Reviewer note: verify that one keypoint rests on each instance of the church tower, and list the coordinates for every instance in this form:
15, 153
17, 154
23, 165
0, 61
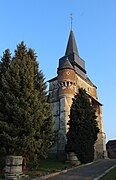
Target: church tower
71, 75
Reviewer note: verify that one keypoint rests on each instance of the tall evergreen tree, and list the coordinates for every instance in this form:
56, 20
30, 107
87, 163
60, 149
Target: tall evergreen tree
26, 126
4, 64
83, 128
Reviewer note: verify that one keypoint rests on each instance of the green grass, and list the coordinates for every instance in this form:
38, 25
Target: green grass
53, 164
48, 166
110, 176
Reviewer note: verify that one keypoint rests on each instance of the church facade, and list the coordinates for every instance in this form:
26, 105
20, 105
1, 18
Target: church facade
71, 75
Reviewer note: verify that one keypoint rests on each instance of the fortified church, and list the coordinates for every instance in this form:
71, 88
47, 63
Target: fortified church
72, 75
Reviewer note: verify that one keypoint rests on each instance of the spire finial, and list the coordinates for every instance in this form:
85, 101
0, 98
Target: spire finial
71, 18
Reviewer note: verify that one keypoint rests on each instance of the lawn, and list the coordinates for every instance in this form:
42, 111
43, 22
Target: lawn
110, 176
48, 166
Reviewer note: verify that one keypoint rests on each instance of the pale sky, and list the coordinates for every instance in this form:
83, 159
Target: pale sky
44, 25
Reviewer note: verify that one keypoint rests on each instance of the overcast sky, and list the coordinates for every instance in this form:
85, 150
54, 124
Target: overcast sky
44, 25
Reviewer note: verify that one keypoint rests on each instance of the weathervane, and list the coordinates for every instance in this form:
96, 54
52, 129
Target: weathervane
71, 18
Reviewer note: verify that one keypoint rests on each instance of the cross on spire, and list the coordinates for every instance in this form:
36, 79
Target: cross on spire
71, 18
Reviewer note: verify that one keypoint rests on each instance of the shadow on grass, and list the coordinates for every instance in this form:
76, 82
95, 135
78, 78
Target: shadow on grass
46, 167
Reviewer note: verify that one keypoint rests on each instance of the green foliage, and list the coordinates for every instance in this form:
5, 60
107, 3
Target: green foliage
83, 128
26, 126
5, 62
49, 165
110, 175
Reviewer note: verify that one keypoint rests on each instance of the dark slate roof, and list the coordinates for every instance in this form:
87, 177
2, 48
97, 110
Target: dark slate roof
111, 143
96, 100
66, 64
71, 46
77, 63
53, 79
90, 81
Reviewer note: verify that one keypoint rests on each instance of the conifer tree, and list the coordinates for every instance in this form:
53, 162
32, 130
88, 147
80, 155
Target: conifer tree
83, 128
4, 64
26, 126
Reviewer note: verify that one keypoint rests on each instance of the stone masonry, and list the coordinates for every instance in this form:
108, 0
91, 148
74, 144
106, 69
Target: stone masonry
71, 75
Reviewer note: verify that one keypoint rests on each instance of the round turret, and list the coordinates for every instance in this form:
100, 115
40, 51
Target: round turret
66, 79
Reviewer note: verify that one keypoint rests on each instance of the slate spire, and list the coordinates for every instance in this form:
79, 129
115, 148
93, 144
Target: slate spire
74, 59
71, 46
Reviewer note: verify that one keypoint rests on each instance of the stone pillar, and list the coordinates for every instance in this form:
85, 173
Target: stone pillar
101, 141
13, 168
72, 158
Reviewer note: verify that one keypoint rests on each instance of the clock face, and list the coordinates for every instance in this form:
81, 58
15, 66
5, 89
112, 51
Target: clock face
68, 73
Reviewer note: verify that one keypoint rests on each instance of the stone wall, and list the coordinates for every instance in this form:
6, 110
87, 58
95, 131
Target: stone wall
61, 92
